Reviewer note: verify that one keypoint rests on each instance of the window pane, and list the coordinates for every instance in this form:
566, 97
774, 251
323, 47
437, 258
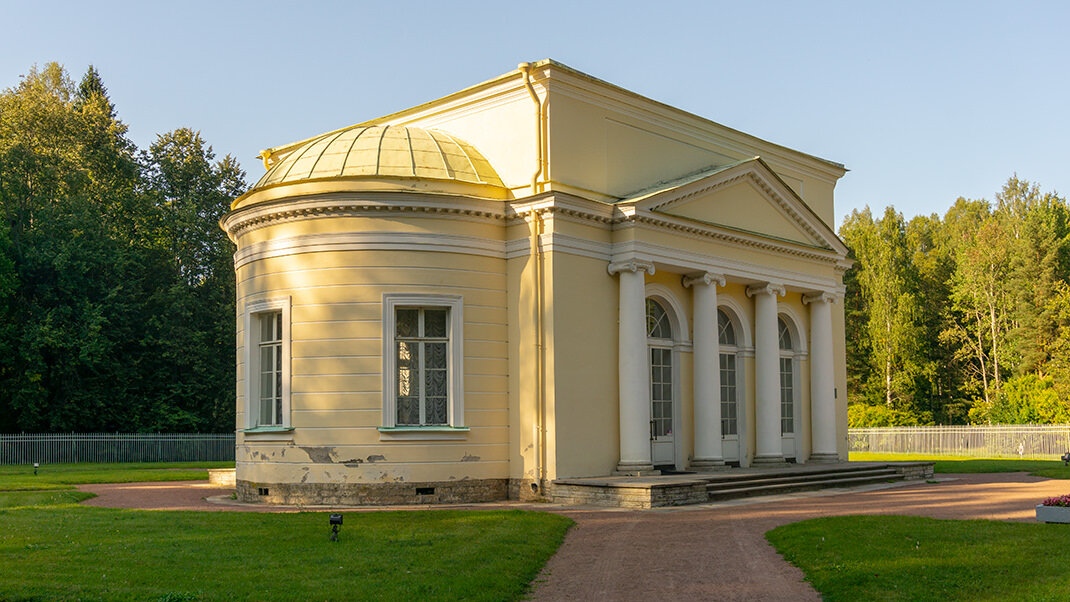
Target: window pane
787, 396
726, 334
436, 355
436, 383
436, 410
435, 323
408, 411
657, 321
267, 326
265, 407
266, 392
408, 322
785, 335
278, 326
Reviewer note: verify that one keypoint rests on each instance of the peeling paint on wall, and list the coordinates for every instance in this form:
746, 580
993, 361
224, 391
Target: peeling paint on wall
318, 455
469, 458
376, 458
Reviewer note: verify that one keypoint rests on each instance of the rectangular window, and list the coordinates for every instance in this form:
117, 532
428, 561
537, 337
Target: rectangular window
787, 396
729, 423
270, 368
422, 346
423, 388
267, 365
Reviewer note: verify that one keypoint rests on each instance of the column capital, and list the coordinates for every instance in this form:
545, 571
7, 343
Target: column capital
706, 278
767, 288
631, 265
819, 297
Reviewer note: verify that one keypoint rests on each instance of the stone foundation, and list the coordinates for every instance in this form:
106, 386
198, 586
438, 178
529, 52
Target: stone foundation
626, 495
913, 470
374, 494
224, 477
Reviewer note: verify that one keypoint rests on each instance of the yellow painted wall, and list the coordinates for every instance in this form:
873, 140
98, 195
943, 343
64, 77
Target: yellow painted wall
336, 382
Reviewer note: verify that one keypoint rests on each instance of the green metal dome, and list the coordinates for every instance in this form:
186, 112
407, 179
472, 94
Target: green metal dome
378, 151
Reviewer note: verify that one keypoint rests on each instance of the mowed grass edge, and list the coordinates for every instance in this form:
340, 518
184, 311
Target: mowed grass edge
20, 477
73, 552
1051, 469
913, 558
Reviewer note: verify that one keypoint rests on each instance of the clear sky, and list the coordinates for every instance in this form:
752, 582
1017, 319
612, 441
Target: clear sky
923, 101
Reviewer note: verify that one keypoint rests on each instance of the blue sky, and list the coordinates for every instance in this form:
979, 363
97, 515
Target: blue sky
923, 101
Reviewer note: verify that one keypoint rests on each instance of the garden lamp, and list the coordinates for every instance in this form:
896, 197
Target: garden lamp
36, 465
336, 521
1066, 459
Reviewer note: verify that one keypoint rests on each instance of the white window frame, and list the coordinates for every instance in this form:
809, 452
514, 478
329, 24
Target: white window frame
253, 310
455, 361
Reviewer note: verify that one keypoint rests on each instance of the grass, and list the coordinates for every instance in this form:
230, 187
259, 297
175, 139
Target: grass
21, 499
913, 558
1051, 469
64, 476
71, 552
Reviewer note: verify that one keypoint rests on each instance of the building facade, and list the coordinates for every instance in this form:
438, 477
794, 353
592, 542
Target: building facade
538, 277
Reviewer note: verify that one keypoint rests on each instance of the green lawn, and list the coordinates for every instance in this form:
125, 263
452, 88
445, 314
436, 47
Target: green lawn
910, 558
1052, 469
63, 476
72, 552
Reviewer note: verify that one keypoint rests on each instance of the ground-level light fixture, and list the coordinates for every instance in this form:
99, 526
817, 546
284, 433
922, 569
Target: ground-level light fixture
336, 521
36, 465
1066, 459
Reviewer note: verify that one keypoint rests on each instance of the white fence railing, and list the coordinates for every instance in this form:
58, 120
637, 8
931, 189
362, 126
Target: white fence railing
56, 448
1045, 441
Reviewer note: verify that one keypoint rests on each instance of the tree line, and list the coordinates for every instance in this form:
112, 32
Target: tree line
963, 318
116, 283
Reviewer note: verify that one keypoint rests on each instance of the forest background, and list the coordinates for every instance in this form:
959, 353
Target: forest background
117, 286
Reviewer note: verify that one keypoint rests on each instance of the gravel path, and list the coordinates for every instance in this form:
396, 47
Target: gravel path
704, 552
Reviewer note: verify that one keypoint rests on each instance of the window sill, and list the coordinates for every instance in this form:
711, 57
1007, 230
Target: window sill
424, 433
268, 433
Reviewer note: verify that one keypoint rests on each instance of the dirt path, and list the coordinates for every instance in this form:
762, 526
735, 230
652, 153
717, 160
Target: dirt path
706, 552
720, 552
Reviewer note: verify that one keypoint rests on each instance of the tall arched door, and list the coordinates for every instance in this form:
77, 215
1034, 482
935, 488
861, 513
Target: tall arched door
662, 375
788, 393
731, 395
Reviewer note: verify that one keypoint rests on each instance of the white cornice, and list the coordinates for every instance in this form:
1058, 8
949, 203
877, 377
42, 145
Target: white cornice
260, 215
370, 241
736, 271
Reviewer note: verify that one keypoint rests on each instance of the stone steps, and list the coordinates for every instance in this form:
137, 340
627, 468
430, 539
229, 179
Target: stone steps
757, 485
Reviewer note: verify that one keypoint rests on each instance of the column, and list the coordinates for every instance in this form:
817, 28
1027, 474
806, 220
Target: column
768, 448
707, 371
633, 368
822, 378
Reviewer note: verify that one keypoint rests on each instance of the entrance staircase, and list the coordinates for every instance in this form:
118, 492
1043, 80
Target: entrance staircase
730, 483
729, 486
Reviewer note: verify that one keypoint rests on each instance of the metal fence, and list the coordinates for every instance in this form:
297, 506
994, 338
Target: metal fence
55, 448
1045, 441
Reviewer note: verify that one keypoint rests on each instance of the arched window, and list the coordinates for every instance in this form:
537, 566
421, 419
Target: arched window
726, 336
657, 321
787, 379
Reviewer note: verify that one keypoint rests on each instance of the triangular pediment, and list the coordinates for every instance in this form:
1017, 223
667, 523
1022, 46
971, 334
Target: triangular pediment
746, 196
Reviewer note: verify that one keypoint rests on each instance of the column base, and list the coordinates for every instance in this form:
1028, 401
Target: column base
708, 465
824, 458
766, 460
635, 469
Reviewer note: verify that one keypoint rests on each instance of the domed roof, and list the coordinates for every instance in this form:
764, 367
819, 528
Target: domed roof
379, 151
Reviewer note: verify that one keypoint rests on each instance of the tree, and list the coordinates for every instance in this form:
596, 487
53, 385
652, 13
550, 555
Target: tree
885, 280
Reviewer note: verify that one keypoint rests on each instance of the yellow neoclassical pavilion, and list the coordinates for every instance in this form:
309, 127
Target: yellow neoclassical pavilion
542, 276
